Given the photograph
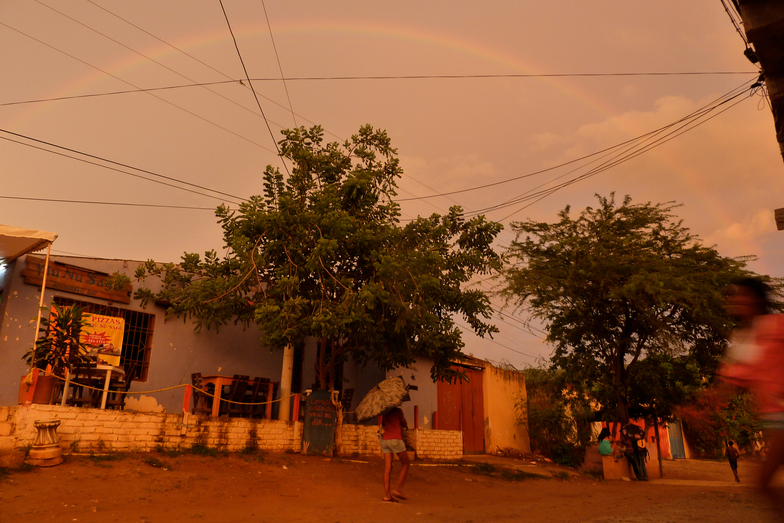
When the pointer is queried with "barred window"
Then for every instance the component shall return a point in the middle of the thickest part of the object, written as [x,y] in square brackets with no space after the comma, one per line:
[137,337]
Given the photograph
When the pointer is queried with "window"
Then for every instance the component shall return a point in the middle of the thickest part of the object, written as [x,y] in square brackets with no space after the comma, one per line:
[137,337]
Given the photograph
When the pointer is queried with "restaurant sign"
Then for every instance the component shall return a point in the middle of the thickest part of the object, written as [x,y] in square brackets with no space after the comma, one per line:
[76,280]
[320,418]
[104,336]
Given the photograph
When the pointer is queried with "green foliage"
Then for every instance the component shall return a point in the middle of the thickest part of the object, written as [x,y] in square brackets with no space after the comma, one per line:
[715,416]
[157,463]
[322,254]
[661,383]
[558,419]
[619,283]
[59,345]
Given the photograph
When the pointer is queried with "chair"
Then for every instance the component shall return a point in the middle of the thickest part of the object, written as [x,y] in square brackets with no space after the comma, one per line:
[86,387]
[202,403]
[236,397]
[119,389]
[258,395]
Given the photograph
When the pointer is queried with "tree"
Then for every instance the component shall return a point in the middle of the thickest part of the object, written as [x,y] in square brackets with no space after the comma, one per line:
[322,254]
[557,418]
[617,284]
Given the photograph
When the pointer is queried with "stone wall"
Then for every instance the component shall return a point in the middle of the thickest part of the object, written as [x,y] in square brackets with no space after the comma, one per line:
[97,430]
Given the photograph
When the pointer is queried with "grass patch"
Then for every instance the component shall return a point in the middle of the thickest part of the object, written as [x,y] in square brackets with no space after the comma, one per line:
[203,450]
[595,474]
[172,453]
[111,456]
[561,475]
[484,469]
[157,463]
[506,474]
[517,475]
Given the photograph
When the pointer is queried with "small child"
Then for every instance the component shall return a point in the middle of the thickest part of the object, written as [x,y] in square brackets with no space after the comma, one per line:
[732,456]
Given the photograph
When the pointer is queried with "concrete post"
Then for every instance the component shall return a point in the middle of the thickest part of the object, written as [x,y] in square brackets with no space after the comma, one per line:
[285,383]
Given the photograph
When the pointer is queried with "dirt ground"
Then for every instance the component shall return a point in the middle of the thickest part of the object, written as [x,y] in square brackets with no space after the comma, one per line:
[163,488]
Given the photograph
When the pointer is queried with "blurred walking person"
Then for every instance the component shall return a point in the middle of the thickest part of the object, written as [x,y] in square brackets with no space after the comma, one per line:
[756,362]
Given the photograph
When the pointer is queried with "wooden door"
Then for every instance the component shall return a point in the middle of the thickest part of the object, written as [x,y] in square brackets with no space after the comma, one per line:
[461,407]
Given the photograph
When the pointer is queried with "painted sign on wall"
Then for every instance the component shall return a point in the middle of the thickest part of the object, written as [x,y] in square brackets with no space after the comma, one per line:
[75,280]
[320,418]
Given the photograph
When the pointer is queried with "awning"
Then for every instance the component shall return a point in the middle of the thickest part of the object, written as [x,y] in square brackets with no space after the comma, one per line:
[16,242]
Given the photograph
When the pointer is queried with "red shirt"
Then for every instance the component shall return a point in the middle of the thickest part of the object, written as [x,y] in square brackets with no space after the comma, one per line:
[393,424]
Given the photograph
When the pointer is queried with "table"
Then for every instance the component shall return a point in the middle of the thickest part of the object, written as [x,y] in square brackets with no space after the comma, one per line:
[219,381]
[110,369]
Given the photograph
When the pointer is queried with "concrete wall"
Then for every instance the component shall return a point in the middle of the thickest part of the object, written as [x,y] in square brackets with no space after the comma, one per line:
[502,390]
[426,395]
[177,350]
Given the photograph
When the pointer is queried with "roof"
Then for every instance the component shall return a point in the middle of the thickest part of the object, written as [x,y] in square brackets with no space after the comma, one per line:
[16,242]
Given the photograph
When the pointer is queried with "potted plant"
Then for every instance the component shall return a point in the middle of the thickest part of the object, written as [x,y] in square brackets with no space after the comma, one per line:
[59,349]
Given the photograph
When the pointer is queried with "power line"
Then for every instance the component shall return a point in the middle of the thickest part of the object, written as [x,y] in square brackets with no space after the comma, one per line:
[139,88]
[661,141]
[205,64]
[118,204]
[242,62]
[575,160]
[236,81]
[50,144]
[280,67]
[507,75]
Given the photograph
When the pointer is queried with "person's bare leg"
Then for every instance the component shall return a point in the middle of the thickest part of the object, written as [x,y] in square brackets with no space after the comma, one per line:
[387,476]
[403,456]
[775,458]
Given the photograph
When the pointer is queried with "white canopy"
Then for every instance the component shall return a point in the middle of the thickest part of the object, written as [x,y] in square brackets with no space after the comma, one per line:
[16,242]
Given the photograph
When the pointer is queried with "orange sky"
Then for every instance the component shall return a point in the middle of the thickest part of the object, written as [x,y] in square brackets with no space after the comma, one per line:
[451,134]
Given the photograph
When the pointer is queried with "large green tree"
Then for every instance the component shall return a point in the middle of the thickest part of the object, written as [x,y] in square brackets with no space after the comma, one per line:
[617,284]
[322,254]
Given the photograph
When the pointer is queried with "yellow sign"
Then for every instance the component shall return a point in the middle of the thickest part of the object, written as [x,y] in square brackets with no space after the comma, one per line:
[105,337]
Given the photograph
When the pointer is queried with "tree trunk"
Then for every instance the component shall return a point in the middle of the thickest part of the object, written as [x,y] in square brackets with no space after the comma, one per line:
[658,444]
[321,367]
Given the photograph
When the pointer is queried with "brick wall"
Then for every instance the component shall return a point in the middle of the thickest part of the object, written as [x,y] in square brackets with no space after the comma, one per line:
[426,444]
[93,429]
[104,430]
[439,444]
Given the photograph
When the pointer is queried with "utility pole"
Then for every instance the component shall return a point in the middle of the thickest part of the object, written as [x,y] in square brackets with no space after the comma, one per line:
[763,21]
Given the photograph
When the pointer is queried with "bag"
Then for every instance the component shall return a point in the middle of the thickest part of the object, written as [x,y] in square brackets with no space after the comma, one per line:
[642,448]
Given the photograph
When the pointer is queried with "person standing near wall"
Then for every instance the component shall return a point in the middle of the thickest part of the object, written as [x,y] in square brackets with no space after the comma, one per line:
[391,429]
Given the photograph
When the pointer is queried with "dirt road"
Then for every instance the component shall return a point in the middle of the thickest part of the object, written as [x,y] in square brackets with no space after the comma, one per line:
[161,488]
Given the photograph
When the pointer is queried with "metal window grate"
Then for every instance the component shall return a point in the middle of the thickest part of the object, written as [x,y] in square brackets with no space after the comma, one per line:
[137,337]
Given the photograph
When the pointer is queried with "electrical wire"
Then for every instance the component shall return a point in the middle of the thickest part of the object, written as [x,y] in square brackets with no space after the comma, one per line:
[206,120]
[697,112]
[236,81]
[230,80]
[258,103]
[50,144]
[628,150]
[117,204]
[735,23]
[280,67]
